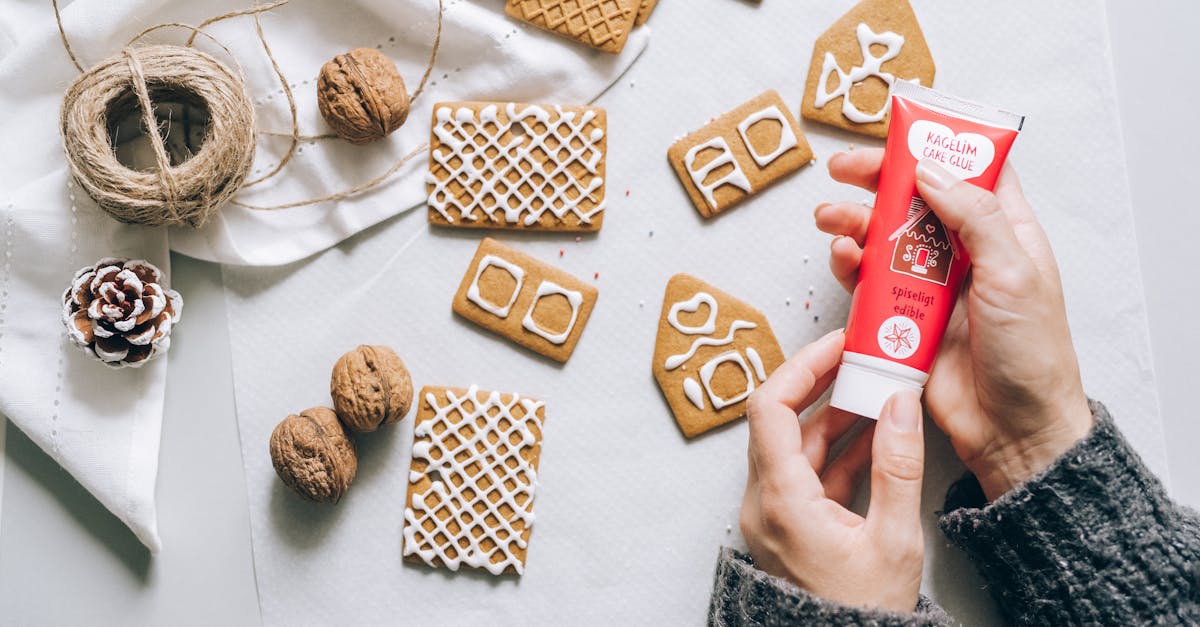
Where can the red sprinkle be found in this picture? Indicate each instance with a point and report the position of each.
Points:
(627, 193)
(596, 276)
(560, 252)
(807, 304)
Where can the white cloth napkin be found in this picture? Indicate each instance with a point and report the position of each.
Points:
(102, 425)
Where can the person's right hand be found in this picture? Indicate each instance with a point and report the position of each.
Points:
(1005, 385)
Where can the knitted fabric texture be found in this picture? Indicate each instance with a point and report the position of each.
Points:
(1093, 540)
(745, 595)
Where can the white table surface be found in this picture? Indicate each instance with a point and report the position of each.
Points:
(65, 560)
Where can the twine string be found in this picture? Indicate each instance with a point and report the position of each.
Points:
(287, 90)
(189, 193)
(166, 175)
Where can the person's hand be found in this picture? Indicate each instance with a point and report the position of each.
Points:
(794, 515)
(1005, 385)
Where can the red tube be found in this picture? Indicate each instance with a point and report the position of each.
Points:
(912, 267)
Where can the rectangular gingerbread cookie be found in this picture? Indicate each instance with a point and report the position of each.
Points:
(601, 24)
(739, 154)
(517, 166)
(525, 300)
(472, 480)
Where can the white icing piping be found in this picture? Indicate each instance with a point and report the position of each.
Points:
(787, 137)
(692, 391)
(872, 66)
(492, 463)
(557, 191)
(757, 362)
(692, 305)
(710, 367)
(476, 297)
(675, 361)
(546, 288)
(736, 177)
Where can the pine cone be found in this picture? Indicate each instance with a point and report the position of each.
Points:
(117, 312)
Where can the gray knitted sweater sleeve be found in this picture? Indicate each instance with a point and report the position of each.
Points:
(745, 595)
(1092, 540)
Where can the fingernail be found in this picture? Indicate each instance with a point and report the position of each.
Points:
(905, 412)
(831, 335)
(934, 175)
(835, 157)
(820, 207)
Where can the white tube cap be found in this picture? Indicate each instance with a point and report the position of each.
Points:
(864, 390)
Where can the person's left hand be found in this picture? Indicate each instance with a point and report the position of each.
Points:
(794, 515)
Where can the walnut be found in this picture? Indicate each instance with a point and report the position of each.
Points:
(370, 388)
(362, 95)
(314, 455)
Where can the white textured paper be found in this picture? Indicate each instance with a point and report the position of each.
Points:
(629, 513)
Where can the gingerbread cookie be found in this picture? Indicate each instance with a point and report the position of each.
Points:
(739, 154)
(644, 11)
(856, 62)
(525, 300)
(601, 24)
(712, 350)
(517, 166)
(472, 480)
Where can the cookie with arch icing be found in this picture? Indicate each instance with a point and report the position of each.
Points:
(739, 154)
(525, 300)
(711, 352)
(473, 478)
(855, 63)
(507, 165)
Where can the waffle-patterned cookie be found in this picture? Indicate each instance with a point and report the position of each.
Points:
(601, 24)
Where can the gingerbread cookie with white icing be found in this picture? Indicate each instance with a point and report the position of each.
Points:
(517, 166)
(739, 154)
(856, 62)
(525, 300)
(711, 352)
(472, 480)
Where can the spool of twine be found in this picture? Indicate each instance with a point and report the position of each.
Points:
(186, 193)
(189, 192)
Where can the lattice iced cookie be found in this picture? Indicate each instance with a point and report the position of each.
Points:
(472, 480)
(739, 154)
(517, 166)
(601, 24)
(525, 300)
(712, 350)
(856, 62)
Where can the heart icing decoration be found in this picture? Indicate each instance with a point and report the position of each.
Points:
(966, 155)
(693, 305)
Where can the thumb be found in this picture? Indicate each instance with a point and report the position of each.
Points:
(897, 466)
(976, 215)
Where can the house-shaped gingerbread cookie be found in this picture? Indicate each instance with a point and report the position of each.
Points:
(711, 352)
(856, 62)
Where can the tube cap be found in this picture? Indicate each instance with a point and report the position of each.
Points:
(864, 391)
